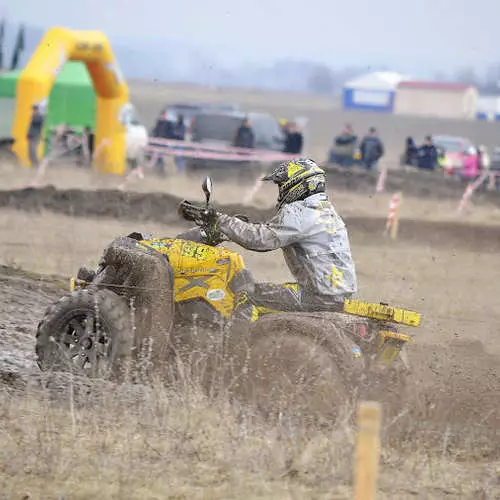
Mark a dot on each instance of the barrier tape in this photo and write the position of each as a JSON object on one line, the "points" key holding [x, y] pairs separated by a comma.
{"points": [[381, 179], [392, 218], [265, 156], [157, 141], [469, 190]]}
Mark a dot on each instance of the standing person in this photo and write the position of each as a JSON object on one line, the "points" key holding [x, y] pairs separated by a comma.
{"points": [[163, 129], [294, 140], [180, 135], [88, 144], [483, 158], [244, 136], [371, 149], [411, 152], [344, 147], [427, 155], [35, 134]]}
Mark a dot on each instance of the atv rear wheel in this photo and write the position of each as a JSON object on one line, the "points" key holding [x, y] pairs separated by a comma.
{"points": [[301, 363], [88, 332]]}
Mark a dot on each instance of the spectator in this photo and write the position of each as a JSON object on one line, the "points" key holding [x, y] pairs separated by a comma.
{"points": [[34, 135], [345, 147], [411, 152], [163, 129], [88, 144], [180, 130], [371, 149], [244, 136], [495, 167], [427, 155], [283, 123], [294, 139], [483, 158]]}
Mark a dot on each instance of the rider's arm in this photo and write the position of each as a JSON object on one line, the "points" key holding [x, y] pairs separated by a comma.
{"points": [[279, 232]]}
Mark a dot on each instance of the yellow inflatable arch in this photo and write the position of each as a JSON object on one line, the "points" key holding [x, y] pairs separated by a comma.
{"points": [[58, 46]]}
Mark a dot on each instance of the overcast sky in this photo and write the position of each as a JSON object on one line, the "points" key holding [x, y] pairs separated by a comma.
{"points": [[438, 33]]}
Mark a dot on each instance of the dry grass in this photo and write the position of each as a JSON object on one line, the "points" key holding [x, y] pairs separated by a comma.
{"points": [[133, 442]]}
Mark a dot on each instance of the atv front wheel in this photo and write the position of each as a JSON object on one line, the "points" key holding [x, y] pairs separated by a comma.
{"points": [[88, 332]]}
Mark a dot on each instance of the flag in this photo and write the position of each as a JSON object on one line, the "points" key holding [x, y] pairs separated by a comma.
{"points": [[18, 49], [2, 36]]}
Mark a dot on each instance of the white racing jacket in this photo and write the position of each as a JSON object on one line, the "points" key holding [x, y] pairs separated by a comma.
{"points": [[314, 241]]}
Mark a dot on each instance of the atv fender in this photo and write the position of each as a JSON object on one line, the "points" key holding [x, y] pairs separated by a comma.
{"points": [[145, 278]]}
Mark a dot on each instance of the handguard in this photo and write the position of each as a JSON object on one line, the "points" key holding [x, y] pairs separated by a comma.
{"points": [[201, 216]]}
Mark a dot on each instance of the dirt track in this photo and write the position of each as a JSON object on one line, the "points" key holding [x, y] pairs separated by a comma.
{"points": [[442, 265], [446, 269], [162, 208], [453, 387]]}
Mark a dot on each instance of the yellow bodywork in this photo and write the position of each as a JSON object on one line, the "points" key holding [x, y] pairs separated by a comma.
{"points": [[382, 312], [201, 271]]}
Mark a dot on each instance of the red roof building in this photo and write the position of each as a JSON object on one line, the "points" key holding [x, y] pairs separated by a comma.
{"points": [[445, 86], [436, 99]]}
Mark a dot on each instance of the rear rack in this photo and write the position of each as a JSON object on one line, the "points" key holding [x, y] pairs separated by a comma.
{"points": [[382, 312]]}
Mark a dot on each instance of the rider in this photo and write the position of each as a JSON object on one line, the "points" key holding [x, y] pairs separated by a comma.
{"points": [[312, 236]]}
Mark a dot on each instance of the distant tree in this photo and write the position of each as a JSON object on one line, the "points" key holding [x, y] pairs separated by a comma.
{"points": [[467, 75], [18, 49], [321, 80], [440, 76], [491, 84]]}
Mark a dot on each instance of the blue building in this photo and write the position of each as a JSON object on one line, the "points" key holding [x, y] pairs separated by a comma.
{"points": [[371, 92]]}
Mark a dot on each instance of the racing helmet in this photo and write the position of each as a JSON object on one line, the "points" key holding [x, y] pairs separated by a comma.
{"points": [[297, 180]]}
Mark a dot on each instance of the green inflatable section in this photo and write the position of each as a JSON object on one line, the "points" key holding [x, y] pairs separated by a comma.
{"points": [[72, 100]]}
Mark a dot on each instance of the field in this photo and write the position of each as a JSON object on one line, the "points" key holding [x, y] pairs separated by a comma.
{"points": [[326, 119], [68, 438]]}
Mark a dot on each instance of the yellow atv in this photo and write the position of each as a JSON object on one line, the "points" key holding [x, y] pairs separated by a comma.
{"points": [[146, 290]]}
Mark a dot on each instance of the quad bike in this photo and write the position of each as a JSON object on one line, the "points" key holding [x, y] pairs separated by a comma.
{"points": [[145, 289]]}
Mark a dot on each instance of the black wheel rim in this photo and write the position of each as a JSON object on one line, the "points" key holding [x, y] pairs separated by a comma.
{"points": [[83, 345]]}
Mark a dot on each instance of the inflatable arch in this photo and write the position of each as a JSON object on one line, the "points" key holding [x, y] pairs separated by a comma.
{"points": [[35, 83]]}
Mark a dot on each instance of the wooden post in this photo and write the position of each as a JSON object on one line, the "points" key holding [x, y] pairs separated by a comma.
{"points": [[392, 224], [368, 450], [395, 222], [491, 182]]}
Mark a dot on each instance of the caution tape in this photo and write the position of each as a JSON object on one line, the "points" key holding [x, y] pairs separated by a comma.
{"points": [[165, 147]]}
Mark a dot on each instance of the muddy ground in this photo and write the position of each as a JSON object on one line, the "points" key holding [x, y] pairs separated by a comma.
{"points": [[442, 264], [162, 208], [447, 271]]}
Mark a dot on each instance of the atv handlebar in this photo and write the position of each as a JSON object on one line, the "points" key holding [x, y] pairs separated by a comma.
{"points": [[199, 215], [205, 217]]}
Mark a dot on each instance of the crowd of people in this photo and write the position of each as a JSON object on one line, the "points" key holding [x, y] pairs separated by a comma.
{"points": [[430, 156], [348, 151], [172, 128], [175, 128], [64, 140]]}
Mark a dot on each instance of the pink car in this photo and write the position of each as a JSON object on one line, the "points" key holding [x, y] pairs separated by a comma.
{"points": [[460, 155]]}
